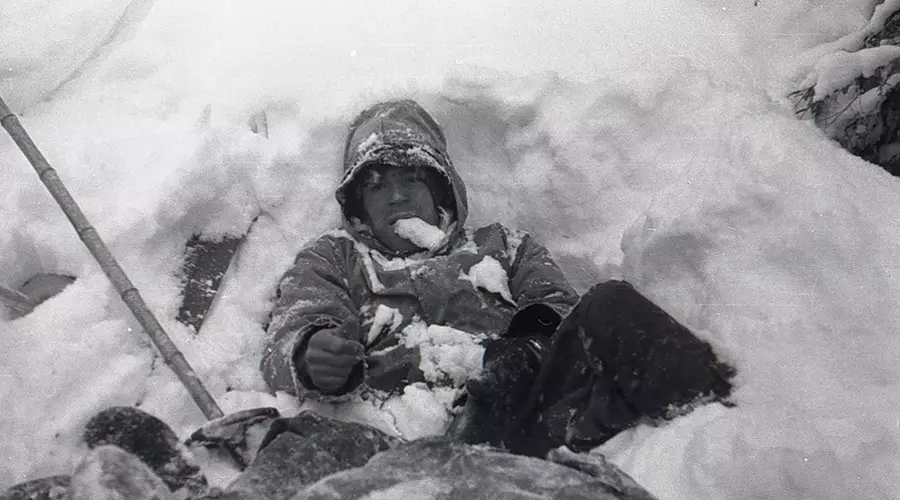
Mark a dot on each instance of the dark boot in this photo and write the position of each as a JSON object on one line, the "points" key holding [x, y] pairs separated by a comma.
{"points": [[152, 441], [499, 393]]}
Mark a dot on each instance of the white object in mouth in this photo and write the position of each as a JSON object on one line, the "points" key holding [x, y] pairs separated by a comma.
{"points": [[420, 233]]}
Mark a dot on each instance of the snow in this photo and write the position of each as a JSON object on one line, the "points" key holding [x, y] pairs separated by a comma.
{"points": [[420, 233], [840, 69], [446, 353], [489, 275], [635, 139], [385, 317], [419, 411], [447, 358], [366, 254]]}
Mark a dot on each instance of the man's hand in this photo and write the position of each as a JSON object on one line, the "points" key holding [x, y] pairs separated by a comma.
{"points": [[330, 359]]}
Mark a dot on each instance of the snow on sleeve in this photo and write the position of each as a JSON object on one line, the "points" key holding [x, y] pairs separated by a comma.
{"points": [[513, 242], [385, 317], [420, 233], [489, 275], [374, 282]]}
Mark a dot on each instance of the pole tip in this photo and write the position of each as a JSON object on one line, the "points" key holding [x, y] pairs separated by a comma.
{"points": [[4, 110]]}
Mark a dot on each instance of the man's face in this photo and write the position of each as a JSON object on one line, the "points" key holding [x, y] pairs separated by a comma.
{"points": [[392, 193]]}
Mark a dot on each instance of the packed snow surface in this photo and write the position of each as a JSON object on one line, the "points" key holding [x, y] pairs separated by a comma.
{"points": [[638, 140]]}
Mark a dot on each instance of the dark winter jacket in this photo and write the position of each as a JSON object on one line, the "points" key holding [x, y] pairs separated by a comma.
{"points": [[349, 278]]}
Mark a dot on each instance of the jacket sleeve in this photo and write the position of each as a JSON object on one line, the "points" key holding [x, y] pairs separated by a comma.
{"points": [[543, 295], [312, 295]]}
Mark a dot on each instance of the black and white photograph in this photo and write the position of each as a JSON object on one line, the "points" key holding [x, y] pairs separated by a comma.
{"points": [[418, 249]]}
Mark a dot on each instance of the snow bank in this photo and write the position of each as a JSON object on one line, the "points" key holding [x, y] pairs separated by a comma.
{"points": [[743, 223]]}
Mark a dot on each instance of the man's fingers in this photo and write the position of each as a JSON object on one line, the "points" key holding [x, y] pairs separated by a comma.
{"points": [[327, 358], [349, 348], [331, 366], [329, 383], [332, 343], [330, 359], [329, 372]]}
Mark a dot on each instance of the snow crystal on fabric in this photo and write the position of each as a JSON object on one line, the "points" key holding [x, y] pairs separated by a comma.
{"points": [[513, 242], [278, 321], [489, 275], [369, 142], [371, 272], [412, 155]]}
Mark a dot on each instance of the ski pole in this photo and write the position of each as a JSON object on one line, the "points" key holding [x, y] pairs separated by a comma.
{"points": [[16, 300], [127, 291]]}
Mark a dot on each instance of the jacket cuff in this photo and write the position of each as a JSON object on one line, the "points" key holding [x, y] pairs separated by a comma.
{"points": [[534, 319], [308, 390]]}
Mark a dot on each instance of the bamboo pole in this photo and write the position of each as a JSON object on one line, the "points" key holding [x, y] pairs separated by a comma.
{"points": [[16, 300], [120, 281]]}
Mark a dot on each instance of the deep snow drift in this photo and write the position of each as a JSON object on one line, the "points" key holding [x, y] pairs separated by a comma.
{"points": [[662, 154]]}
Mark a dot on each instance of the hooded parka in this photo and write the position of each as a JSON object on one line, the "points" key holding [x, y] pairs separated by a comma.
{"points": [[489, 282]]}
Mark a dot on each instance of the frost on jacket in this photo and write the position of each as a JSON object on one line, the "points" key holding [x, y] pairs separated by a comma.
{"points": [[487, 282]]}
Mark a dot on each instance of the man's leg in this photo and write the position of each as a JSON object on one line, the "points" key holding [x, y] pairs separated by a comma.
{"points": [[618, 358]]}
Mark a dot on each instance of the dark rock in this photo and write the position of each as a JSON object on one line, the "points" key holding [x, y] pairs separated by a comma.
{"points": [[151, 440], [441, 469]]}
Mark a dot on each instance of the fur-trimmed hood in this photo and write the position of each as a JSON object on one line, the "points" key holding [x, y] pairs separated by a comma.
{"points": [[403, 134]]}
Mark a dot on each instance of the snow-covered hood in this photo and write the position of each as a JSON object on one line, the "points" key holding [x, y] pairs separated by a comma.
{"points": [[399, 133]]}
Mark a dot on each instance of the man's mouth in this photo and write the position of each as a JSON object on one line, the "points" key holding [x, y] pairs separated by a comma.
{"points": [[400, 215]]}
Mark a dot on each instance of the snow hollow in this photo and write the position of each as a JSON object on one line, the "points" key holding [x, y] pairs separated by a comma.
{"points": [[637, 141]]}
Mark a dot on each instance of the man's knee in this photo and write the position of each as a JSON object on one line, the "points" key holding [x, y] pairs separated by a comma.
{"points": [[611, 298], [610, 291]]}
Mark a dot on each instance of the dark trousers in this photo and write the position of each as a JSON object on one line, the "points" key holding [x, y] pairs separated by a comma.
{"points": [[615, 360]]}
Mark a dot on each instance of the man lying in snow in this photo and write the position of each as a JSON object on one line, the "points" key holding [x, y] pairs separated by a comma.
{"points": [[351, 312], [362, 314]]}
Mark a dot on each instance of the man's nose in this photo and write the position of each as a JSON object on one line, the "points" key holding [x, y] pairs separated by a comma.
{"points": [[398, 193]]}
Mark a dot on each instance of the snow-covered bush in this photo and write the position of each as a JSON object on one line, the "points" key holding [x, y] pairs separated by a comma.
{"points": [[853, 94]]}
